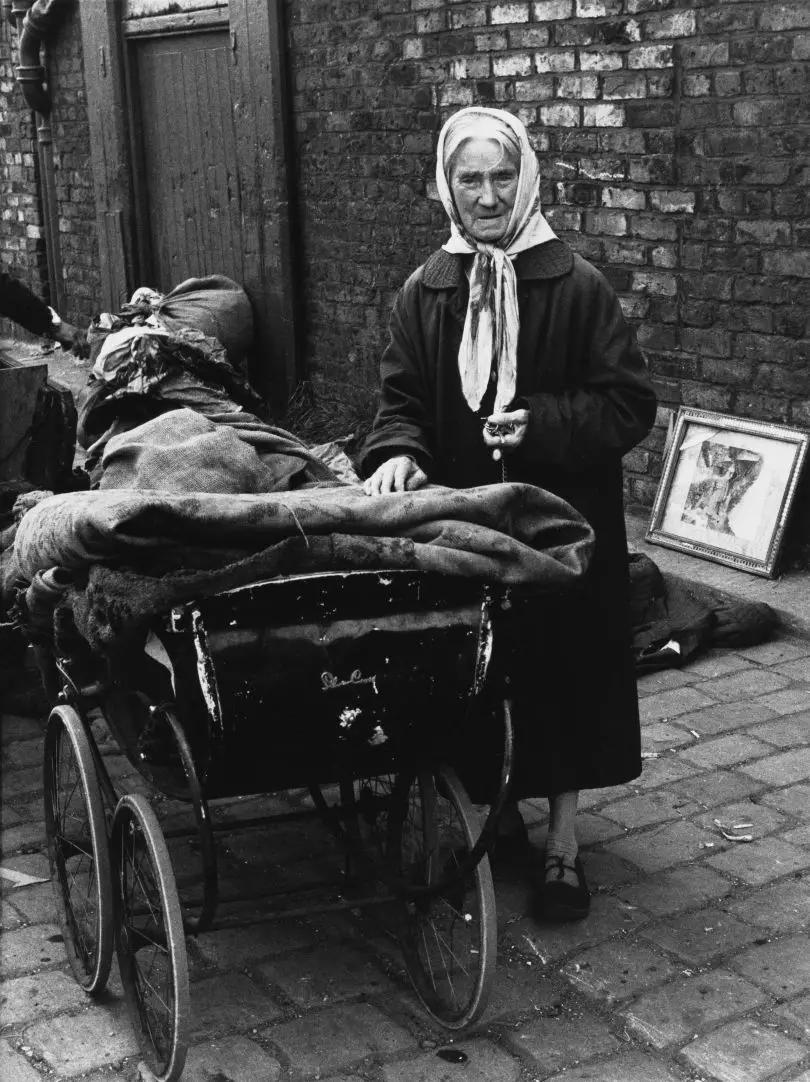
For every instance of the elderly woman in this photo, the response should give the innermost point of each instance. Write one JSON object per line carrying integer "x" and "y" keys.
{"x": 509, "y": 357}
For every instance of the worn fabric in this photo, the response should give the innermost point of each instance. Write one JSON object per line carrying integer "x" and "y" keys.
{"x": 491, "y": 325}
{"x": 584, "y": 382}
{"x": 183, "y": 451}
{"x": 674, "y": 621}
{"x": 507, "y": 533}
{"x": 20, "y": 305}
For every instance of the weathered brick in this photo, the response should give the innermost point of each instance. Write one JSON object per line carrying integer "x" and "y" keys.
{"x": 565, "y": 116}
{"x": 650, "y": 56}
{"x": 603, "y": 116}
{"x": 564, "y": 60}
{"x": 509, "y": 13}
{"x": 547, "y": 10}
{"x": 600, "y": 60}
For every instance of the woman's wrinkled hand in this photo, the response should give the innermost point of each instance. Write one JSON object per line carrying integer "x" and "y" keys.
{"x": 505, "y": 431}
{"x": 399, "y": 474}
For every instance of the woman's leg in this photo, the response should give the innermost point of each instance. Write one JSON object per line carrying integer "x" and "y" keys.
{"x": 562, "y": 839}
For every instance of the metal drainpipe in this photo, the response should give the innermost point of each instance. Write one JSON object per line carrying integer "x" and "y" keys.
{"x": 33, "y": 79}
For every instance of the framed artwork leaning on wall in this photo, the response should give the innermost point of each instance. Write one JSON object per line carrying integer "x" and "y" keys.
{"x": 726, "y": 489}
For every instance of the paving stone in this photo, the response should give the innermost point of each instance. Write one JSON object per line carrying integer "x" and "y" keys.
{"x": 338, "y": 1037}
{"x": 798, "y": 1012}
{"x": 784, "y": 769}
{"x": 781, "y": 967}
{"x": 16, "y": 727}
{"x": 20, "y": 782}
{"x": 786, "y": 732}
{"x": 37, "y": 903}
{"x": 30, "y": 949}
{"x": 718, "y": 787}
{"x": 229, "y": 1002}
{"x": 661, "y": 737}
{"x": 782, "y": 907}
{"x": 659, "y": 848}
{"x": 27, "y": 998}
{"x": 743, "y": 817}
{"x": 799, "y": 669}
{"x": 236, "y": 1059}
{"x": 744, "y": 1051}
{"x": 687, "y": 1005}
{"x": 655, "y": 682}
{"x": 726, "y": 716}
{"x": 543, "y": 943}
{"x": 670, "y": 704}
{"x": 14, "y": 1067}
{"x": 668, "y": 892}
{"x": 776, "y": 651}
{"x": 795, "y": 800}
{"x": 518, "y": 988}
{"x": 592, "y": 829}
{"x": 656, "y": 774}
{"x": 715, "y": 663}
{"x": 798, "y": 836}
{"x": 327, "y": 976}
{"x": 551, "y": 1044}
{"x": 9, "y": 917}
{"x": 699, "y": 936}
{"x": 23, "y": 753}
{"x": 615, "y": 971}
{"x": 725, "y": 750}
{"x": 789, "y": 701}
{"x": 74, "y": 1044}
{"x": 35, "y": 865}
{"x": 485, "y": 1063}
{"x": 742, "y": 686}
{"x": 759, "y": 862}
{"x": 606, "y": 870}
{"x": 25, "y": 835}
{"x": 242, "y": 948}
{"x": 629, "y": 1067}
{"x": 644, "y": 810}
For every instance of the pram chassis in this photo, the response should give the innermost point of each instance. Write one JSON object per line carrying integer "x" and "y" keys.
{"x": 402, "y": 815}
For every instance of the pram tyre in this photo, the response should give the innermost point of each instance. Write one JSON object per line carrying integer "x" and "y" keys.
{"x": 78, "y": 848}
{"x": 448, "y": 935}
{"x": 149, "y": 938}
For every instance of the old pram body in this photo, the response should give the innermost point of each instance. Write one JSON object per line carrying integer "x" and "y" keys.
{"x": 356, "y": 685}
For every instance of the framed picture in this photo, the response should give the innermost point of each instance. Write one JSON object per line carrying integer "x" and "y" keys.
{"x": 726, "y": 489}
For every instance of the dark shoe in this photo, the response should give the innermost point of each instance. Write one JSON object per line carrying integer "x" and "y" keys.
{"x": 558, "y": 900}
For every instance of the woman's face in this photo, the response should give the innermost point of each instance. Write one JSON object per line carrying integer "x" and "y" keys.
{"x": 484, "y": 181}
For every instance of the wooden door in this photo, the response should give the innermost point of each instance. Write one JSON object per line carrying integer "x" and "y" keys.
{"x": 188, "y": 201}
{"x": 188, "y": 124}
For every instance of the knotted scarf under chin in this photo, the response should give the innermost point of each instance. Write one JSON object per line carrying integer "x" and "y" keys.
{"x": 489, "y": 341}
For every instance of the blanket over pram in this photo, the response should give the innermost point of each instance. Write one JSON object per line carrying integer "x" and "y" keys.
{"x": 183, "y": 511}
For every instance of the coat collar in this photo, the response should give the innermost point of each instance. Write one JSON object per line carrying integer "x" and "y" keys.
{"x": 550, "y": 260}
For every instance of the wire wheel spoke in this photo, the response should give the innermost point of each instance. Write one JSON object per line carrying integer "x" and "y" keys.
{"x": 151, "y": 945}
{"x": 77, "y": 847}
{"x": 447, "y": 924}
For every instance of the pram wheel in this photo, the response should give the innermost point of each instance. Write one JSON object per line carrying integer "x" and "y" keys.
{"x": 448, "y": 936}
{"x": 78, "y": 849}
{"x": 149, "y": 938}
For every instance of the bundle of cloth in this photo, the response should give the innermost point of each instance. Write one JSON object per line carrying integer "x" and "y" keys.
{"x": 186, "y": 506}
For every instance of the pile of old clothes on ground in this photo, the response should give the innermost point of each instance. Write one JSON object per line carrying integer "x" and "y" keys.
{"x": 675, "y": 621}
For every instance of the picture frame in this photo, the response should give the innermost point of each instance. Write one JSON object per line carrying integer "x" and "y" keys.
{"x": 726, "y": 489}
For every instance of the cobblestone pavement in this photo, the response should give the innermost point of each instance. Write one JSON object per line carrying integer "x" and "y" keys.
{"x": 694, "y": 963}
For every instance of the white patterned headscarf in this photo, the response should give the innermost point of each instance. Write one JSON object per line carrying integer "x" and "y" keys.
{"x": 492, "y": 324}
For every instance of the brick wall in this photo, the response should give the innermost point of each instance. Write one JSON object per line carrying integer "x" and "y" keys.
{"x": 674, "y": 137}
{"x": 22, "y": 244}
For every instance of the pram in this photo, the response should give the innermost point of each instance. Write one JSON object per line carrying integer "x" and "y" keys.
{"x": 355, "y": 685}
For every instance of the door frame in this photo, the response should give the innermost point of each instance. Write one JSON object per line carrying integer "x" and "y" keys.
{"x": 262, "y": 118}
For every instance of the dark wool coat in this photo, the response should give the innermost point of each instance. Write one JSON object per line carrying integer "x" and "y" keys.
{"x": 19, "y": 304}
{"x": 584, "y": 381}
